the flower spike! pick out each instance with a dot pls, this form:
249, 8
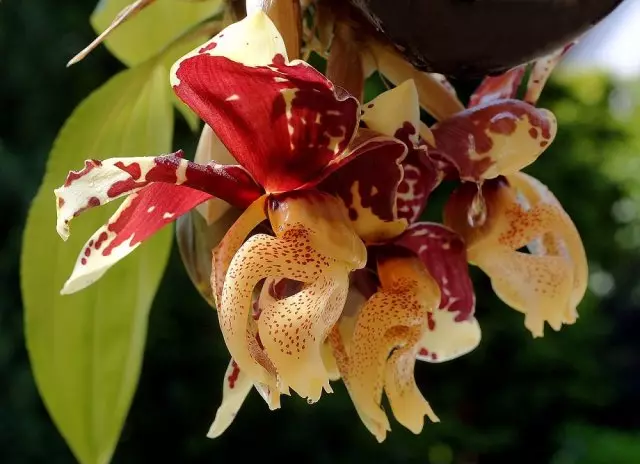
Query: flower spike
545, 284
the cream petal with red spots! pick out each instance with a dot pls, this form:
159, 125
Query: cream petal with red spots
541, 71
293, 330
231, 243
236, 387
159, 190
315, 245
447, 337
381, 352
546, 284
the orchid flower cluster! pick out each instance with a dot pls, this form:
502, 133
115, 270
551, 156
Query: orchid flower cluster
327, 273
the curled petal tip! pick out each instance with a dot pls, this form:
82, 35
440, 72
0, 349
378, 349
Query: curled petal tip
215, 430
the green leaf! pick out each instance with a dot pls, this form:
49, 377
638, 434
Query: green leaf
144, 35
86, 349
192, 119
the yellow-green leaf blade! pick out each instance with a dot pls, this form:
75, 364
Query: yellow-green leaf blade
86, 349
143, 36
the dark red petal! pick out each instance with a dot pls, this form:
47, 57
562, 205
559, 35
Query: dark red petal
421, 177
283, 122
367, 182
444, 255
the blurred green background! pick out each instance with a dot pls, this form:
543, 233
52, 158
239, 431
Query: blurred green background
572, 397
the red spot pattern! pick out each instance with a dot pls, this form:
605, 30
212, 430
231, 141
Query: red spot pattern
469, 132
101, 239
233, 377
444, 254
89, 166
91, 203
424, 353
431, 322
278, 121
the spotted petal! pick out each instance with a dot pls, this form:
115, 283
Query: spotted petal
397, 113
159, 189
314, 245
452, 330
101, 182
541, 71
284, 122
503, 86
140, 216
236, 387
545, 284
443, 252
384, 345
499, 138
210, 148
370, 195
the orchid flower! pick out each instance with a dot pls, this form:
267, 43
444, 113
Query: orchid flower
423, 306
440, 326
501, 210
291, 130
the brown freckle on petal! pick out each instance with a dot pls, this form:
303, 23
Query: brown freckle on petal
101, 238
83, 261
208, 47
533, 132
503, 125
544, 143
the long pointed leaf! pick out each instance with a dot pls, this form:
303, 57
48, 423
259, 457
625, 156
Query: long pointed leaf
143, 36
86, 349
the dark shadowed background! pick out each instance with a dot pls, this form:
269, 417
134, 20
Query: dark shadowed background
572, 397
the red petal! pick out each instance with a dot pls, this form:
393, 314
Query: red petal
368, 183
283, 122
140, 216
421, 177
499, 138
499, 87
444, 255
103, 181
